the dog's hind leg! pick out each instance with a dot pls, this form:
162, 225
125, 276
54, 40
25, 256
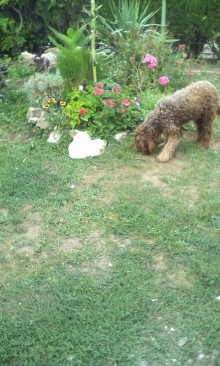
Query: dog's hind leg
204, 129
169, 148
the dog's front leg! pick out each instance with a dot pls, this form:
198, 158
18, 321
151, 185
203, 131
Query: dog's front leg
168, 149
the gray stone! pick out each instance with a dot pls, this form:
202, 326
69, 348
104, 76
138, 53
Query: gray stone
207, 52
35, 114
43, 124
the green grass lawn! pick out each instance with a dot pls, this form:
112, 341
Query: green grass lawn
123, 269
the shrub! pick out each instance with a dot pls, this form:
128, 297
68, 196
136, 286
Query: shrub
128, 68
103, 110
41, 87
130, 36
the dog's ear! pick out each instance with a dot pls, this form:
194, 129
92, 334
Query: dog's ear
149, 146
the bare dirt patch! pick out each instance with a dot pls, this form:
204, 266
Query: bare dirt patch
27, 243
156, 172
159, 263
32, 224
215, 145
13, 137
90, 179
107, 198
190, 193
96, 267
180, 277
69, 244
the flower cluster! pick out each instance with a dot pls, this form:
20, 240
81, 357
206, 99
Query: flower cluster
163, 80
182, 47
104, 109
55, 116
150, 60
54, 102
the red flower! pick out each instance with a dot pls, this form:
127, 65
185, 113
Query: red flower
126, 102
109, 103
81, 111
99, 86
182, 47
97, 91
116, 89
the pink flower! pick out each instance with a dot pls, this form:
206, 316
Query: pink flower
97, 91
82, 111
182, 47
150, 60
116, 89
126, 102
163, 80
109, 103
151, 65
191, 74
99, 86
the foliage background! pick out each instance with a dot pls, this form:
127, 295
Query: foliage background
25, 24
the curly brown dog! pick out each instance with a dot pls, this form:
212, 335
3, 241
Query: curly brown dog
197, 102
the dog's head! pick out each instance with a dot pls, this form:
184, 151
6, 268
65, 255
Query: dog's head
144, 139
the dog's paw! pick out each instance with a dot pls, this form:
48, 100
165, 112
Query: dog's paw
163, 158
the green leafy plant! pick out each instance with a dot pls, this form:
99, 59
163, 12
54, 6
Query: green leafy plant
103, 110
128, 20
10, 37
74, 57
54, 113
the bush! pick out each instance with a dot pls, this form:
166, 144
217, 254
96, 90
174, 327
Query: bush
103, 110
41, 87
131, 37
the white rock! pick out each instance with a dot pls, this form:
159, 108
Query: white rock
119, 136
201, 356
54, 137
182, 341
83, 146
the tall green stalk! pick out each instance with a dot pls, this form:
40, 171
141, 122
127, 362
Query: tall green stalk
163, 15
93, 35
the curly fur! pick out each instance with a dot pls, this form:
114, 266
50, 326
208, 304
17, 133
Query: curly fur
197, 102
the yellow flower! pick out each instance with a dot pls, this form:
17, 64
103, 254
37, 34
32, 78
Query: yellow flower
62, 103
46, 105
51, 100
